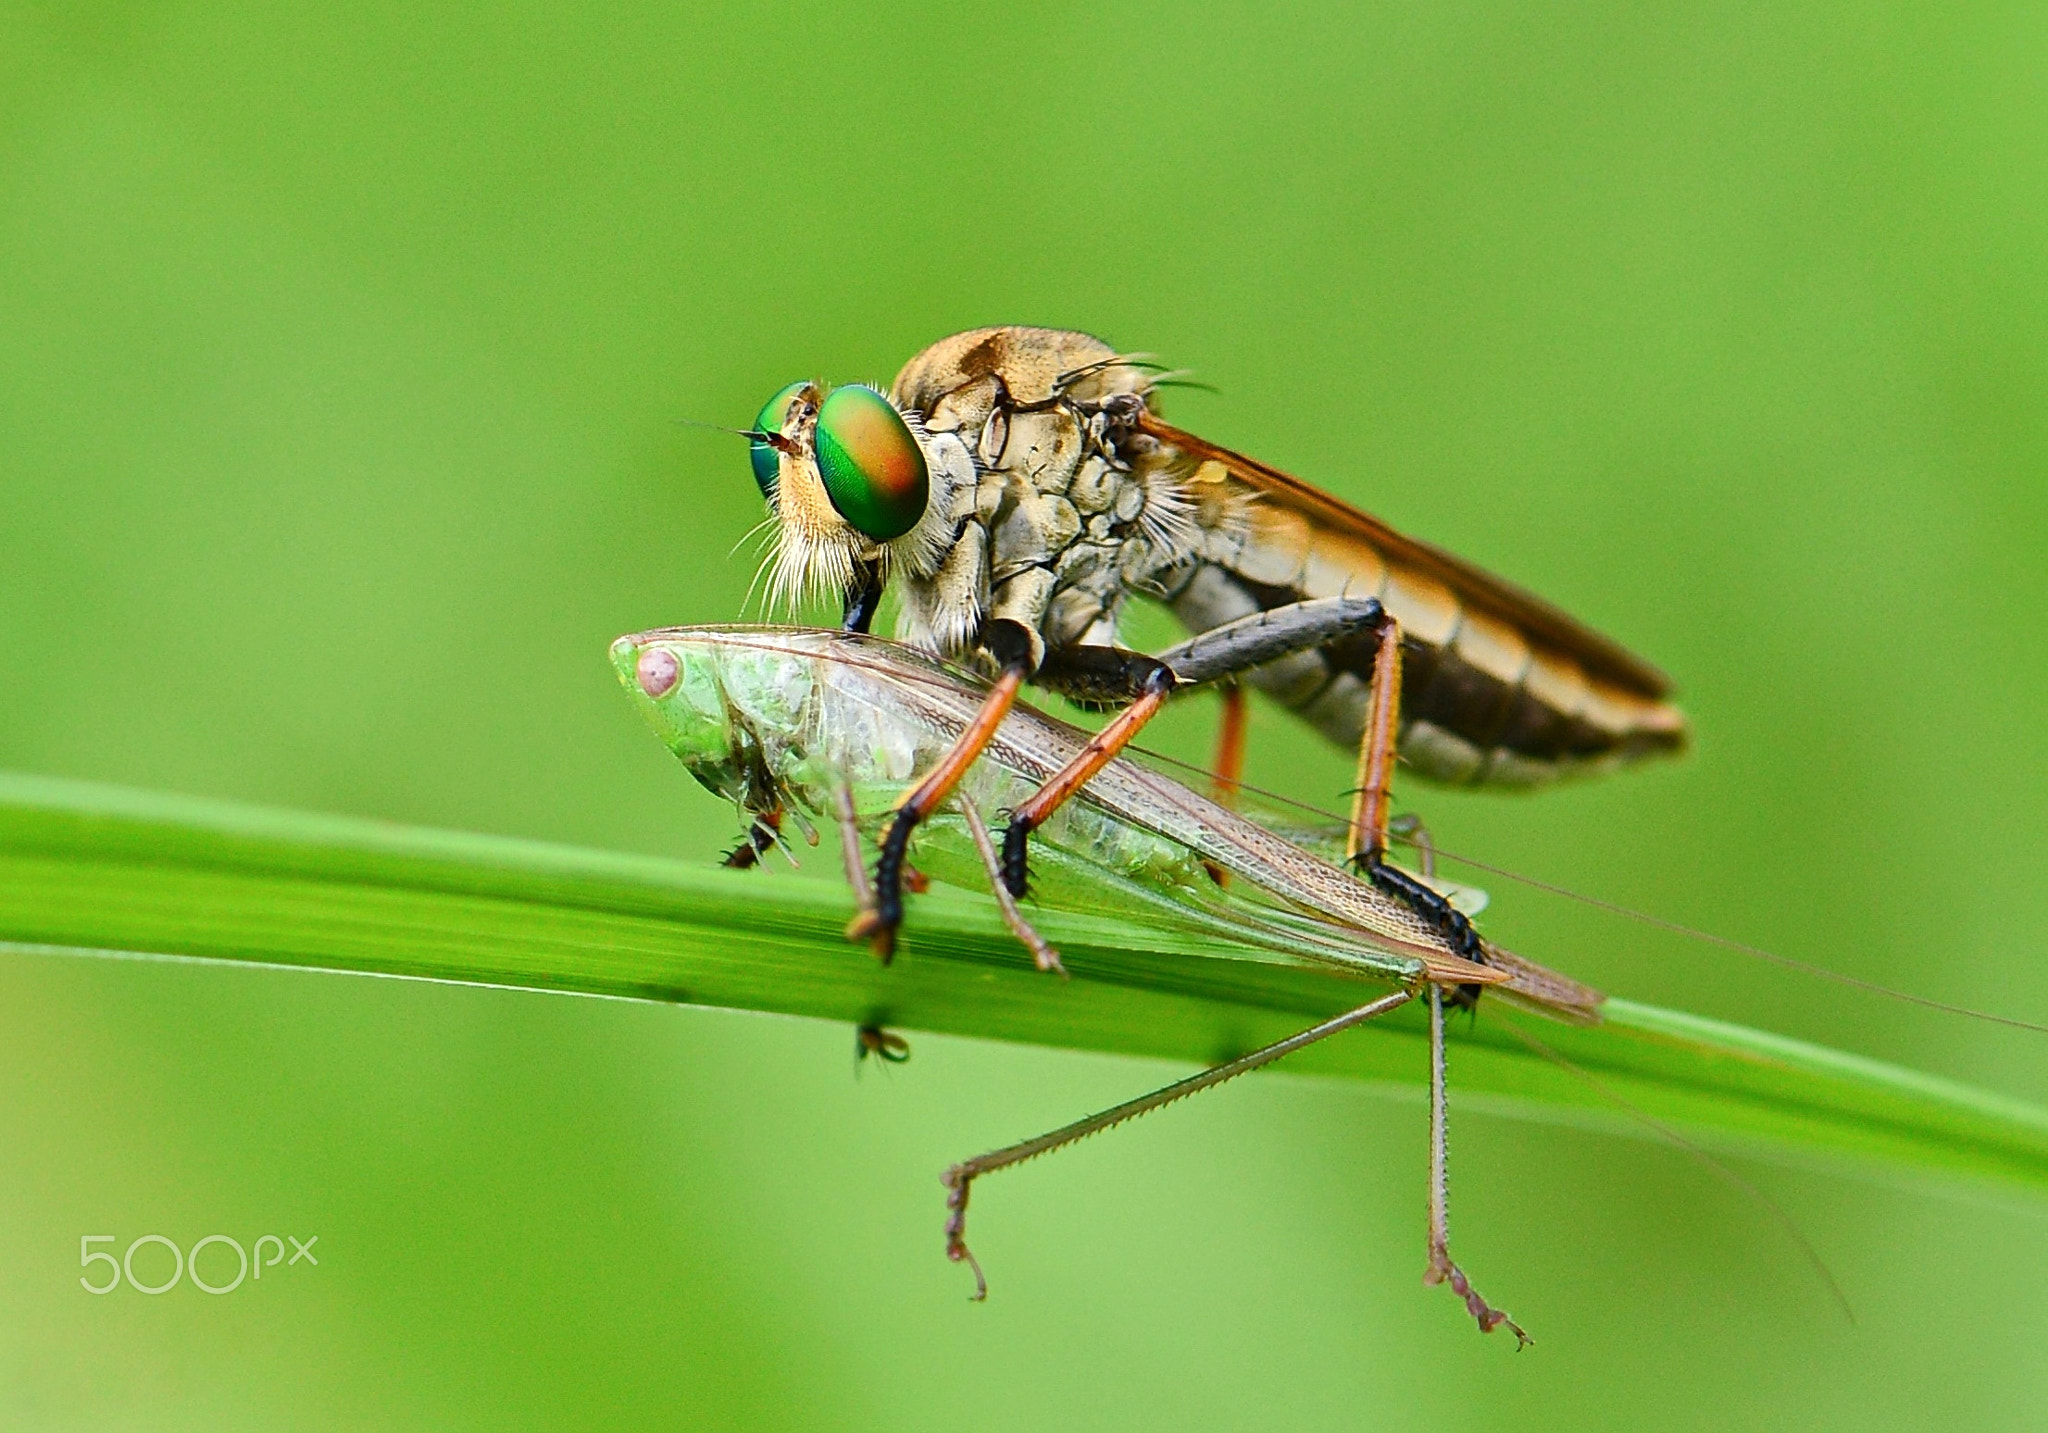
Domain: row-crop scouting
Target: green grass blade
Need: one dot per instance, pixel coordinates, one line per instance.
(95, 868)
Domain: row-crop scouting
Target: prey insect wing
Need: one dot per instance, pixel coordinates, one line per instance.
(807, 709)
(827, 715)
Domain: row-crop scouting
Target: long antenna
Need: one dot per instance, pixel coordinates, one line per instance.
(1657, 1126)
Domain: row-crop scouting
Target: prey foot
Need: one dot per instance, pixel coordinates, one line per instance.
(957, 1179)
(1489, 1318)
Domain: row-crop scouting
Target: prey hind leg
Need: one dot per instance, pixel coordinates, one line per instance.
(961, 1176)
(1441, 1269)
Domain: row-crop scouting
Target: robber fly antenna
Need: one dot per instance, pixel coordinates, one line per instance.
(752, 435)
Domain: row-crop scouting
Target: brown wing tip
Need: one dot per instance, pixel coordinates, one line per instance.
(1451, 970)
(1544, 989)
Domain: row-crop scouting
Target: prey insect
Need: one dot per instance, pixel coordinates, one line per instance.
(830, 727)
(1017, 486)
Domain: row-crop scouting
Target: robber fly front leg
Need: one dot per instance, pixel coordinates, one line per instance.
(1110, 676)
(863, 596)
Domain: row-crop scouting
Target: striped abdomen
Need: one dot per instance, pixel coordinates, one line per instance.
(1497, 687)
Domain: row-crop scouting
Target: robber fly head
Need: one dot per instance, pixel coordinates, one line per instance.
(845, 477)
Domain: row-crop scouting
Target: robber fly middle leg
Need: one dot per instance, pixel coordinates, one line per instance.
(1101, 676)
(1109, 676)
(1010, 644)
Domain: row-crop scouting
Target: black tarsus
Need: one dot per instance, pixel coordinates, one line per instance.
(1450, 922)
(889, 879)
(1008, 644)
(863, 596)
(1091, 676)
(1017, 860)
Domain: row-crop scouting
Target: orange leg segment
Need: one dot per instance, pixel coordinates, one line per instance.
(1098, 753)
(1227, 772)
(1368, 837)
(1229, 768)
(877, 925)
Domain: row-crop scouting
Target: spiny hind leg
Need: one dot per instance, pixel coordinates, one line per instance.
(960, 1178)
(1441, 1269)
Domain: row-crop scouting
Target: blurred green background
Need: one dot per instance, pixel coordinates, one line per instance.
(341, 357)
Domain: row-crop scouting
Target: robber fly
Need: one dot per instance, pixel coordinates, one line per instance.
(1017, 486)
(834, 726)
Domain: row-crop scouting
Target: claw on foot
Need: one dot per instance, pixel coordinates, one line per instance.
(956, 1229)
(1489, 1318)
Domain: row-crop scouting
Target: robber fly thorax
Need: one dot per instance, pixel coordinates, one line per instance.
(1017, 487)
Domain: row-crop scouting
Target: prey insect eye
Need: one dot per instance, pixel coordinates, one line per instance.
(657, 672)
(767, 464)
(872, 467)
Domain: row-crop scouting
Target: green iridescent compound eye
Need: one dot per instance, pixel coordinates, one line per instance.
(873, 469)
(767, 462)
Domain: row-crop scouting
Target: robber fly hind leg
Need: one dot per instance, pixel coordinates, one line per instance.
(1223, 652)
(1233, 648)
(1266, 636)
(1367, 843)
(1110, 675)
(1409, 828)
